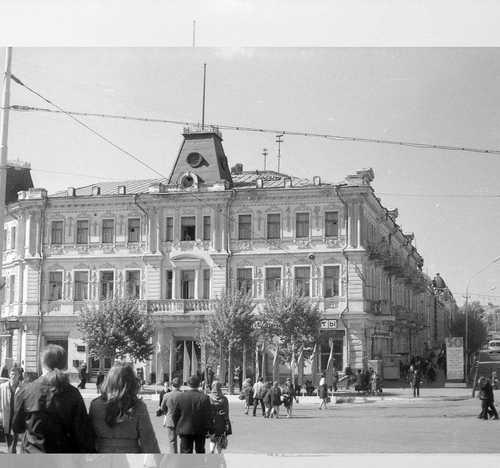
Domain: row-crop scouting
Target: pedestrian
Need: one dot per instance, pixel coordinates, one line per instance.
(221, 425)
(210, 377)
(494, 380)
(275, 400)
(335, 378)
(161, 396)
(83, 376)
(120, 420)
(416, 380)
(237, 378)
(486, 395)
(192, 417)
(247, 394)
(51, 412)
(259, 390)
(7, 397)
(289, 395)
(167, 408)
(267, 400)
(323, 392)
(358, 385)
(99, 381)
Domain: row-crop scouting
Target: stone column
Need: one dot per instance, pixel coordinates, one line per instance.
(152, 234)
(174, 282)
(197, 282)
(359, 214)
(348, 233)
(171, 356)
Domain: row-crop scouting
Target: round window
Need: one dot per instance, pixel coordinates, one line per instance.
(187, 181)
(194, 159)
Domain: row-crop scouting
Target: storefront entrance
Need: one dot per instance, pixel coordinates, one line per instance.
(337, 337)
(98, 365)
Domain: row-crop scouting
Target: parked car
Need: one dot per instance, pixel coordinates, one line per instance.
(494, 346)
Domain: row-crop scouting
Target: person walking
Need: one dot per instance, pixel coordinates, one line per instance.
(221, 425)
(7, 397)
(167, 405)
(120, 420)
(51, 412)
(192, 417)
(289, 395)
(416, 380)
(335, 378)
(267, 400)
(237, 378)
(259, 391)
(83, 376)
(486, 395)
(275, 393)
(99, 381)
(323, 392)
(247, 394)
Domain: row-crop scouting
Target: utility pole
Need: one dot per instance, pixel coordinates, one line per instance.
(265, 153)
(4, 129)
(279, 140)
(203, 105)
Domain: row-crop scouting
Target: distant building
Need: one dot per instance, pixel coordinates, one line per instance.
(176, 244)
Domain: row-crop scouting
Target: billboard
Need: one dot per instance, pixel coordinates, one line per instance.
(455, 358)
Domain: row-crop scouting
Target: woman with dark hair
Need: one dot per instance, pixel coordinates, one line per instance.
(119, 418)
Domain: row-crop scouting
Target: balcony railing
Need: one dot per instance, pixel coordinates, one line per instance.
(179, 306)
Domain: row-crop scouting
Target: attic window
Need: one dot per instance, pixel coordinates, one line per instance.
(194, 159)
(187, 181)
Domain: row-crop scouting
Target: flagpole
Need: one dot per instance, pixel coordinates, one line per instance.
(4, 137)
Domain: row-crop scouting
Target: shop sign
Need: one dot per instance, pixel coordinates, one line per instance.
(329, 324)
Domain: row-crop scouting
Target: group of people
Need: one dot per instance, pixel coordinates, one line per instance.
(49, 415)
(269, 396)
(486, 395)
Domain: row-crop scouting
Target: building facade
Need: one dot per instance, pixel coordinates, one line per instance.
(177, 244)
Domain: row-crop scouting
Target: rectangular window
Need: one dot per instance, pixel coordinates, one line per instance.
(169, 229)
(273, 280)
(331, 224)
(244, 227)
(303, 281)
(55, 285)
(82, 231)
(56, 234)
(273, 226)
(13, 238)
(12, 288)
(5, 239)
(133, 284)
(134, 230)
(244, 280)
(2, 290)
(302, 225)
(106, 285)
(170, 285)
(81, 292)
(188, 228)
(206, 284)
(206, 227)
(331, 281)
(108, 231)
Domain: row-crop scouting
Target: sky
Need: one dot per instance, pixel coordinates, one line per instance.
(447, 96)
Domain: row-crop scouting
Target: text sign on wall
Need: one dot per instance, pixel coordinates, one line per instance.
(328, 324)
(455, 358)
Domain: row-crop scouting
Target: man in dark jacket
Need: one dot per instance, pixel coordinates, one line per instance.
(192, 417)
(51, 412)
(487, 399)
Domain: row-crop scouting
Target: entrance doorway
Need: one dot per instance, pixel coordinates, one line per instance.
(187, 359)
(324, 346)
(187, 284)
(97, 365)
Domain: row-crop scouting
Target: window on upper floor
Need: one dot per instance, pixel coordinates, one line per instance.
(303, 281)
(302, 225)
(206, 227)
(56, 233)
(244, 227)
(55, 285)
(5, 239)
(134, 230)
(81, 288)
(331, 281)
(82, 231)
(274, 226)
(106, 285)
(273, 279)
(12, 289)
(170, 285)
(244, 280)
(13, 238)
(108, 231)
(133, 284)
(188, 228)
(331, 224)
(2, 290)
(206, 284)
(169, 229)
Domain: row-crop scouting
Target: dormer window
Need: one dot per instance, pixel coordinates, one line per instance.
(188, 228)
(187, 181)
(194, 159)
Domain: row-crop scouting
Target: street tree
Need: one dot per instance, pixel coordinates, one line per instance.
(230, 328)
(477, 330)
(292, 322)
(117, 329)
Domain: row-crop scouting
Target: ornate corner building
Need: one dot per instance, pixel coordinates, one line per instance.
(176, 244)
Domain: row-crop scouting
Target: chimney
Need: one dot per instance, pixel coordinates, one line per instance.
(70, 192)
(96, 190)
(316, 180)
(287, 182)
(122, 190)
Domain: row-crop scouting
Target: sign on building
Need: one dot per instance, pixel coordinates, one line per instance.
(329, 324)
(455, 358)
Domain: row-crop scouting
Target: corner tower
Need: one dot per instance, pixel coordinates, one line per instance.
(201, 160)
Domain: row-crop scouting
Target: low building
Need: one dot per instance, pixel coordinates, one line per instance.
(176, 244)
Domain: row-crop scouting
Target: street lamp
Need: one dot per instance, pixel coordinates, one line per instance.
(497, 259)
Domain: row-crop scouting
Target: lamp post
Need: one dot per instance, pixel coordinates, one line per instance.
(497, 259)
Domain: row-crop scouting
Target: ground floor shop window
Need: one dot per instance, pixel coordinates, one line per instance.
(337, 337)
(187, 359)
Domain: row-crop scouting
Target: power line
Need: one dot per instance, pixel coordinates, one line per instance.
(75, 175)
(437, 195)
(241, 128)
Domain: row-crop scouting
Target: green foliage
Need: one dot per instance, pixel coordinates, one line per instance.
(117, 329)
(478, 333)
(293, 320)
